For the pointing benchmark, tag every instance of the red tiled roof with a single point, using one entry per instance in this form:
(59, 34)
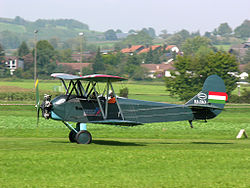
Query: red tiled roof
(154, 47)
(75, 66)
(131, 49)
(7, 58)
(169, 47)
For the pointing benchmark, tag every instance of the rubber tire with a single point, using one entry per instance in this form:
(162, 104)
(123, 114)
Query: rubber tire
(83, 137)
(72, 134)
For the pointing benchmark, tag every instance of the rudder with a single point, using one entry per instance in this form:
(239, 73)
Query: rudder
(210, 101)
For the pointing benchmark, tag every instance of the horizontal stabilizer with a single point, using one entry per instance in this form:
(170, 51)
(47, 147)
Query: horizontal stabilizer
(117, 122)
(202, 106)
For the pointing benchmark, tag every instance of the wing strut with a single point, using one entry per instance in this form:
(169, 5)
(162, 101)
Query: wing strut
(107, 96)
(118, 105)
(191, 124)
(98, 100)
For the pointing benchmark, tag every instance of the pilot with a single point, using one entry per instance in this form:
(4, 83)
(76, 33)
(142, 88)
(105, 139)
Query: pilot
(93, 95)
(112, 98)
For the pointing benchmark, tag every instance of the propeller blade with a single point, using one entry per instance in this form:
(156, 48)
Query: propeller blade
(37, 101)
(38, 112)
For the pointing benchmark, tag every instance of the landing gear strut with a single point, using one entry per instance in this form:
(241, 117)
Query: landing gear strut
(72, 134)
(79, 134)
(190, 122)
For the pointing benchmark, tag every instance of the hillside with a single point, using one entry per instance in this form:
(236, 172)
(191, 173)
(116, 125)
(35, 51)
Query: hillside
(14, 31)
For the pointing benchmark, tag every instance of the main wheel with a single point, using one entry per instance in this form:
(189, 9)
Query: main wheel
(72, 134)
(83, 137)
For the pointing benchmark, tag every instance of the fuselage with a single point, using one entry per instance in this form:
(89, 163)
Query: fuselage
(77, 109)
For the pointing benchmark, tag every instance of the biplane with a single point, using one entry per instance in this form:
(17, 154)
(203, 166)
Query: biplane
(82, 104)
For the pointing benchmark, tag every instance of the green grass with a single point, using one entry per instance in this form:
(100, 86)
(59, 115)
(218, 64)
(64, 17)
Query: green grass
(151, 155)
(223, 47)
(12, 28)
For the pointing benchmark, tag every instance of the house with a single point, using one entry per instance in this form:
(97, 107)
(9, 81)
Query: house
(153, 48)
(12, 63)
(132, 49)
(172, 48)
(159, 70)
(243, 76)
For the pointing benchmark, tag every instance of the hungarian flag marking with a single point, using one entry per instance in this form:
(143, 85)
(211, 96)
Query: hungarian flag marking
(217, 97)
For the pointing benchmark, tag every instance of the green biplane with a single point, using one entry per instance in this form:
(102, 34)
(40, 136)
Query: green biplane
(83, 104)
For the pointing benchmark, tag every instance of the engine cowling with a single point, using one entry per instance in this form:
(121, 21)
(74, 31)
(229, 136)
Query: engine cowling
(46, 106)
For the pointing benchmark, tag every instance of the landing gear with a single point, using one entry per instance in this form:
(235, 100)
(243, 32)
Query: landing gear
(83, 137)
(79, 134)
(72, 134)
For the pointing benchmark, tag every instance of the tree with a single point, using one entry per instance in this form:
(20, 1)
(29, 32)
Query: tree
(2, 54)
(149, 57)
(131, 31)
(64, 55)
(110, 35)
(98, 65)
(184, 34)
(2, 63)
(246, 58)
(194, 69)
(132, 66)
(10, 40)
(192, 45)
(164, 34)
(45, 58)
(179, 37)
(23, 49)
(224, 29)
(140, 38)
(151, 32)
(54, 42)
(243, 31)
(118, 31)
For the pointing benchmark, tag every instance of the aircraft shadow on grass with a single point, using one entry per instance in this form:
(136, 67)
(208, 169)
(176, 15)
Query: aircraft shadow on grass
(115, 143)
(216, 143)
(103, 142)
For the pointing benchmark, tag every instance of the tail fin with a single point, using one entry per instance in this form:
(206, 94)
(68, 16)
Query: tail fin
(211, 100)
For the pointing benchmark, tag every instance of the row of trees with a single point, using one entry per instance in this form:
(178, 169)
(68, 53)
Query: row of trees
(66, 30)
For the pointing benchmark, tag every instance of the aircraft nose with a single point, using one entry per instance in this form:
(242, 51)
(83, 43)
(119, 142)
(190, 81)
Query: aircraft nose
(46, 106)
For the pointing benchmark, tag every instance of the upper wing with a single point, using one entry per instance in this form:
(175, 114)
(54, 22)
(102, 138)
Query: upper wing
(65, 76)
(102, 78)
(93, 77)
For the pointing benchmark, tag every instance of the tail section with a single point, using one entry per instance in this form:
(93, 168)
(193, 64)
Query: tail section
(210, 101)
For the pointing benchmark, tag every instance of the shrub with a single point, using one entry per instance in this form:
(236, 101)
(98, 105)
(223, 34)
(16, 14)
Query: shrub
(124, 92)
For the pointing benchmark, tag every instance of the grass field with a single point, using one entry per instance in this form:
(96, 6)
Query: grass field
(152, 155)
(152, 91)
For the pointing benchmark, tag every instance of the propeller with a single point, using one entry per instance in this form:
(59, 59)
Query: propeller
(37, 102)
